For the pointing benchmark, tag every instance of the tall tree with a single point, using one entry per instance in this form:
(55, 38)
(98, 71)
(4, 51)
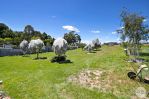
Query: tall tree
(17, 36)
(28, 32)
(78, 38)
(72, 38)
(44, 36)
(134, 30)
(28, 29)
(3, 28)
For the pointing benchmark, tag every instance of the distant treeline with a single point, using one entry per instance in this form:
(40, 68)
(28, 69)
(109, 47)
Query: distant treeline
(8, 36)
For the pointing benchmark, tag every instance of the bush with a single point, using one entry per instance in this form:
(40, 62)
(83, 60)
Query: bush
(81, 45)
(15, 47)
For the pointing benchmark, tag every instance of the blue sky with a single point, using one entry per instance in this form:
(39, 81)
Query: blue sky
(91, 18)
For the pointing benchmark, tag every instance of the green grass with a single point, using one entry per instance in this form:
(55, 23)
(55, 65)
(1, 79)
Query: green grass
(24, 78)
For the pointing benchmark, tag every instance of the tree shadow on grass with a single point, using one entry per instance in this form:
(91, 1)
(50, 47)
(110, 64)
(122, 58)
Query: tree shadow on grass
(144, 54)
(60, 60)
(65, 62)
(25, 56)
(144, 60)
(97, 49)
(137, 60)
(40, 58)
(92, 52)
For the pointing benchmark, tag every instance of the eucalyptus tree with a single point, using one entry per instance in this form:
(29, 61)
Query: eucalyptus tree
(133, 31)
(28, 29)
(78, 38)
(24, 46)
(28, 32)
(3, 28)
(72, 37)
(36, 46)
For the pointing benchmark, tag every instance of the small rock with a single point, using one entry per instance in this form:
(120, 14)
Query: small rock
(1, 82)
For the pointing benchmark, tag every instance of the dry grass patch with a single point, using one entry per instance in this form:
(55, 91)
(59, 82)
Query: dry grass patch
(101, 80)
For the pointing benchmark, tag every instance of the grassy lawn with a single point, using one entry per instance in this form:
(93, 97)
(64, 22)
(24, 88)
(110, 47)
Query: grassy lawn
(24, 78)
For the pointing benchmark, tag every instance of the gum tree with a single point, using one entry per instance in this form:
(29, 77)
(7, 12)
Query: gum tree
(133, 31)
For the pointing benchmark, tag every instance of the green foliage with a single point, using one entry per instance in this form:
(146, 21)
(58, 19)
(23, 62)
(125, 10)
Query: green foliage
(15, 47)
(35, 38)
(28, 29)
(134, 30)
(1, 40)
(72, 37)
(17, 36)
(49, 41)
(8, 40)
(124, 44)
(3, 27)
(16, 41)
(5, 32)
(78, 38)
(96, 43)
(81, 45)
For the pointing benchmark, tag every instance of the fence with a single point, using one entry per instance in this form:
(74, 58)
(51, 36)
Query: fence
(10, 52)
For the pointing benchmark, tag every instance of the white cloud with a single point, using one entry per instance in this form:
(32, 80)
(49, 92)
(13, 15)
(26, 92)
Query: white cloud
(86, 41)
(122, 27)
(70, 28)
(118, 39)
(107, 41)
(114, 32)
(144, 20)
(95, 31)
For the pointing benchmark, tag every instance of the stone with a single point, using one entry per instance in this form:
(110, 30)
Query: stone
(1, 82)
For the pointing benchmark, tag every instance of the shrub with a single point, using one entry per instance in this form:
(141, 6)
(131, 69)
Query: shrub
(60, 46)
(24, 46)
(36, 46)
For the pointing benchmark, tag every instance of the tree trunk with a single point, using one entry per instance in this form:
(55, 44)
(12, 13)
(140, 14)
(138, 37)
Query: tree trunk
(37, 54)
